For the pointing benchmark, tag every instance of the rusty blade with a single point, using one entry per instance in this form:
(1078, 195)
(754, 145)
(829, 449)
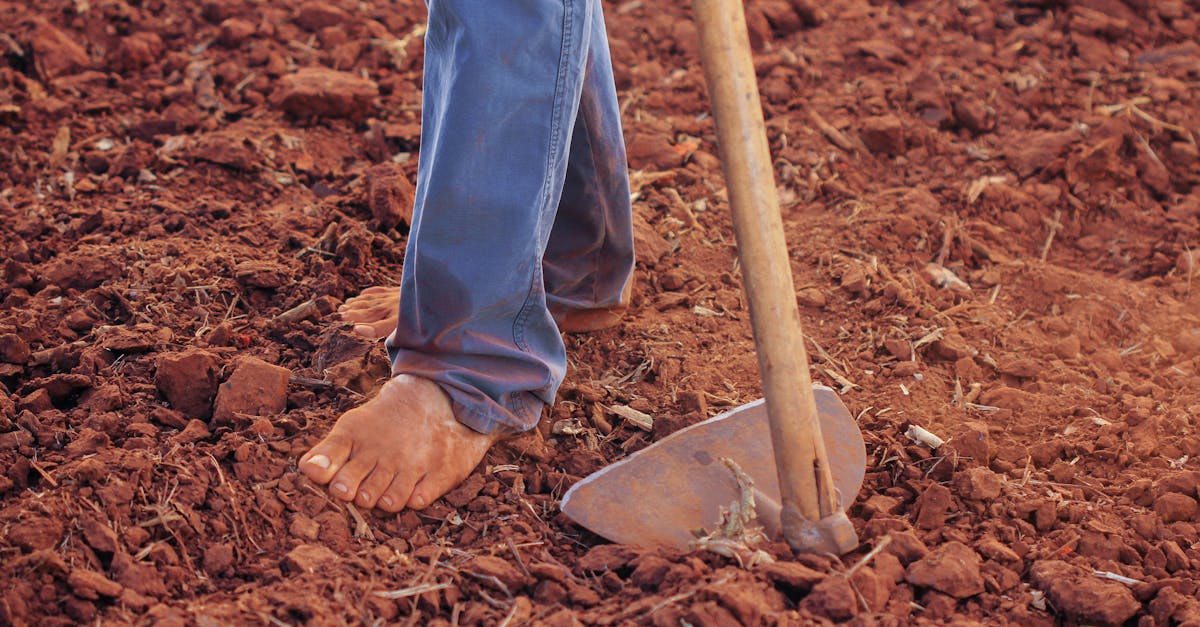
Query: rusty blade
(659, 495)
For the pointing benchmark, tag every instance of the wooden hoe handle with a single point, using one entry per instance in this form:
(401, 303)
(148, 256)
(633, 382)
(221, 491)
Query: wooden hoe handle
(813, 520)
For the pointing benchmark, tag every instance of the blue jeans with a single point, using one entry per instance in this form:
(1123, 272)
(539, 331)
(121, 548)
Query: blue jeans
(522, 202)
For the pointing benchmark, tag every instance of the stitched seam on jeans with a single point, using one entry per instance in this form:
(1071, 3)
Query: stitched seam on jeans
(598, 253)
(556, 108)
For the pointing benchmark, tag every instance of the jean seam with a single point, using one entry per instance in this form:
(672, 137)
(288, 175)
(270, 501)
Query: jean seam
(518, 403)
(597, 254)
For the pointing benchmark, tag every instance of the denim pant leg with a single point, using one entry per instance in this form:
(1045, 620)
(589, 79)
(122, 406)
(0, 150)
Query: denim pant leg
(589, 259)
(502, 86)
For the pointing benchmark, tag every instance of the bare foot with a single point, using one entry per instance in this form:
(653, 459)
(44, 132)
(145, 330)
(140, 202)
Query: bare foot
(374, 313)
(403, 448)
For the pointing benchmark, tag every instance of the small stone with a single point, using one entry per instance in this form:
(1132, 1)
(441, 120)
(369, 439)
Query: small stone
(304, 528)
(263, 275)
(322, 92)
(34, 534)
(1177, 560)
(88, 584)
(793, 574)
(58, 53)
(854, 280)
(874, 587)
(934, 503)
(1183, 482)
(135, 600)
(169, 417)
(13, 349)
(138, 51)
(978, 484)
(1188, 341)
(218, 558)
(832, 598)
(907, 547)
(993, 549)
(649, 572)
(87, 442)
(389, 195)
(952, 347)
(188, 381)
(881, 504)
(900, 349)
(672, 280)
(649, 245)
(1175, 507)
(314, 16)
(1082, 597)
(98, 535)
(973, 441)
(884, 134)
(1036, 151)
(972, 113)
(503, 570)
(811, 297)
(691, 401)
(234, 31)
(998, 578)
(307, 558)
(952, 568)
(195, 431)
(1066, 347)
(256, 388)
(465, 492)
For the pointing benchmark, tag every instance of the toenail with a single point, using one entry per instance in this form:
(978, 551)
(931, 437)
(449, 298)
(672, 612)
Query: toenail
(418, 501)
(341, 487)
(363, 328)
(320, 461)
(386, 501)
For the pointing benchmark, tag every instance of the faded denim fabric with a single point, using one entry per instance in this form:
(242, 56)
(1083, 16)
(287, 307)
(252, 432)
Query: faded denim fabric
(522, 201)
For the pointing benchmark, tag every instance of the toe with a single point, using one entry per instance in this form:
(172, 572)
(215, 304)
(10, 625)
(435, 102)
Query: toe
(383, 328)
(345, 483)
(431, 488)
(367, 313)
(326, 458)
(398, 493)
(374, 486)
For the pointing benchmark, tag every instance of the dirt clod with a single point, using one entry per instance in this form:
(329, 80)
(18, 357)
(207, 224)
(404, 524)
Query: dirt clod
(89, 584)
(188, 381)
(978, 484)
(832, 598)
(256, 388)
(321, 92)
(952, 568)
(1175, 507)
(1082, 597)
(307, 558)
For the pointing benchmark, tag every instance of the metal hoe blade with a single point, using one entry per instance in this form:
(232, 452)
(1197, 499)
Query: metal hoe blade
(659, 495)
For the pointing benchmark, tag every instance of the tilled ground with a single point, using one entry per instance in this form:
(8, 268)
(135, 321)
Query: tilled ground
(189, 189)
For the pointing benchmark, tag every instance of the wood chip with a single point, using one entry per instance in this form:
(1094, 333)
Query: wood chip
(639, 419)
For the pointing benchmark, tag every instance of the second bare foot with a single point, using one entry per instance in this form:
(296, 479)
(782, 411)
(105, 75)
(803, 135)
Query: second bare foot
(375, 312)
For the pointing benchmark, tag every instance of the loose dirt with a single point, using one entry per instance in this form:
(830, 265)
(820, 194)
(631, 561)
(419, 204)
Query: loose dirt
(188, 190)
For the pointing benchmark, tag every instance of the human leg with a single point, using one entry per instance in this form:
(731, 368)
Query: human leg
(588, 262)
(502, 88)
